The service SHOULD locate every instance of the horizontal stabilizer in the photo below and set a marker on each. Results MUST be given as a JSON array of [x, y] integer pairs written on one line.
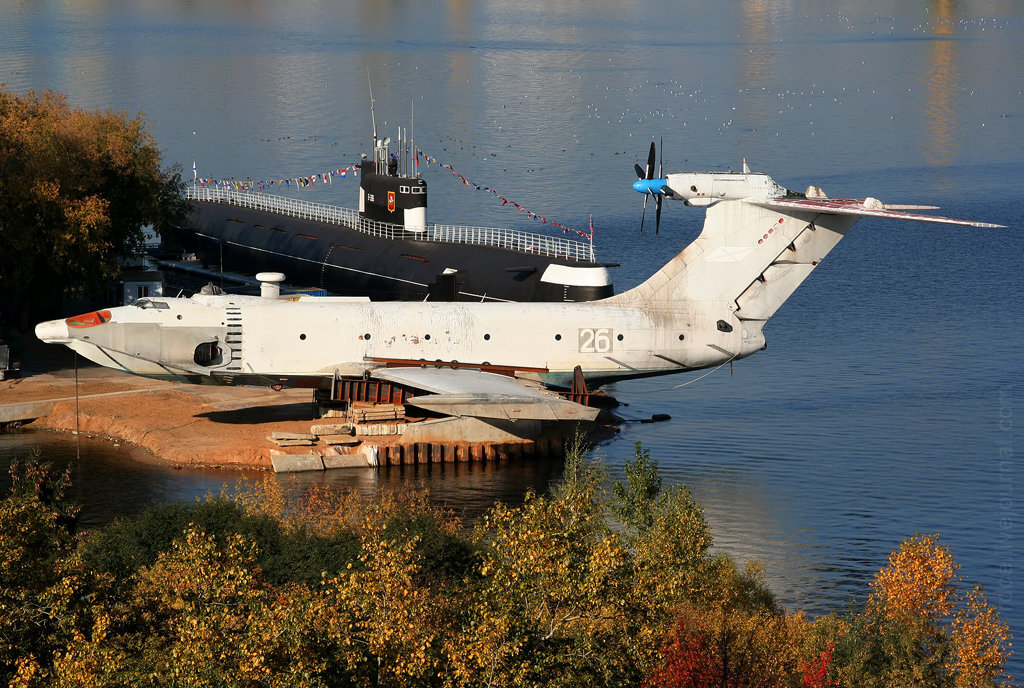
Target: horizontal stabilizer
[[867, 207]]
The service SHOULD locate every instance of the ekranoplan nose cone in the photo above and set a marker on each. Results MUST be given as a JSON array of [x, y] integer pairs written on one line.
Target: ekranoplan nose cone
[[53, 331]]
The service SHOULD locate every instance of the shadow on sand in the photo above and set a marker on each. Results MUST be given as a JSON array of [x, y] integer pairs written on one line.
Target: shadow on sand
[[262, 414]]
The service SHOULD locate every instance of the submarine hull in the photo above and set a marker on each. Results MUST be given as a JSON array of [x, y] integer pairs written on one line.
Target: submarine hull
[[345, 261]]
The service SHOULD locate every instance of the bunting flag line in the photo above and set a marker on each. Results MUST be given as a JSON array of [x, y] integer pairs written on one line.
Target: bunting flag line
[[299, 183], [265, 184], [504, 201]]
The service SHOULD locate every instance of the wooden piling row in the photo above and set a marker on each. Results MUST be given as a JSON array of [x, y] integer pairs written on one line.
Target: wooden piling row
[[425, 453]]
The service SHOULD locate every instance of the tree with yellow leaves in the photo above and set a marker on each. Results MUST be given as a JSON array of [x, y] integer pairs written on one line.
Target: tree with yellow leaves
[[201, 615], [918, 628], [383, 616], [550, 603], [44, 588], [76, 190]]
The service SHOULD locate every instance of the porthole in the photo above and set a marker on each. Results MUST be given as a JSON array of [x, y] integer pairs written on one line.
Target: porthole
[[619, 337], [302, 337], [487, 337], [558, 337], [682, 337], [426, 336], [179, 316], [366, 336]]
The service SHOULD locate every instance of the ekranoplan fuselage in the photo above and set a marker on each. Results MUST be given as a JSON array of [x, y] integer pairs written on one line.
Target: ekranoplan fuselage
[[252, 340], [705, 307]]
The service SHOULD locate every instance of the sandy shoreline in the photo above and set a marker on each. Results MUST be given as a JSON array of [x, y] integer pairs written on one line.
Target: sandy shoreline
[[180, 424], [230, 427]]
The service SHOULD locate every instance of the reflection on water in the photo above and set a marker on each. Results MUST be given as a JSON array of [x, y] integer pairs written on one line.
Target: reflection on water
[[754, 52], [112, 481], [470, 489], [942, 82]]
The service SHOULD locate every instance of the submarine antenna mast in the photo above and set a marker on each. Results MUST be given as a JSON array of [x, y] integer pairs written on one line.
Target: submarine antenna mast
[[415, 154], [373, 118], [379, 165]]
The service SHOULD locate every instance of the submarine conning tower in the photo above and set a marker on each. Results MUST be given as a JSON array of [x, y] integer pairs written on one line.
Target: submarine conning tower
[[388, 194]]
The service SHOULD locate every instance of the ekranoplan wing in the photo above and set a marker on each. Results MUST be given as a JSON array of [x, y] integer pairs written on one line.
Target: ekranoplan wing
[[460, 392]]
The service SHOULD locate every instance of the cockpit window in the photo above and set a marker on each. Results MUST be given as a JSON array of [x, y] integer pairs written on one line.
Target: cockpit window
[[88, 319], [150, 303]]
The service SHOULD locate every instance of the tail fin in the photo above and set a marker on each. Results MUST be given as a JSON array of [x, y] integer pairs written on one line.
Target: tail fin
[[754, 252], [748, 256]]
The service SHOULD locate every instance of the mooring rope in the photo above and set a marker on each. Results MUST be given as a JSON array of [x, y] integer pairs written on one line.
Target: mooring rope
[[696, 379]]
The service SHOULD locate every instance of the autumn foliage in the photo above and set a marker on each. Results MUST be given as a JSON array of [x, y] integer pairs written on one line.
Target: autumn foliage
[[76, 190], [920, 627], [584, 586]]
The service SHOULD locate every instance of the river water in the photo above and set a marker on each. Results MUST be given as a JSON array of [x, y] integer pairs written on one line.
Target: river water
[[889, 399]]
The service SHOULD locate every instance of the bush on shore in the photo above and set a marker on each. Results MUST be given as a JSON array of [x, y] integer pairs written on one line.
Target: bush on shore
[[582, 587]]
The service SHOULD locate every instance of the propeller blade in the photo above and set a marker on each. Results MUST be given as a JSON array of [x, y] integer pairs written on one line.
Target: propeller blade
[[650, 162], [644, 213], [639, 171], [661, 175]]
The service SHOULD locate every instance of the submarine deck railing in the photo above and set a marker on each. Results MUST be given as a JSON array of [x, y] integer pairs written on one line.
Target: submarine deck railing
[[526, 242]]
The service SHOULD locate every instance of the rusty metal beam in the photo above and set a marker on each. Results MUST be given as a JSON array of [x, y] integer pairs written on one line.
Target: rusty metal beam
[[485, 367]]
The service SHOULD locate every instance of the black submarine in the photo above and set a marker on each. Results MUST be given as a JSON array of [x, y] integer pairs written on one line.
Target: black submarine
[[386, 249]]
